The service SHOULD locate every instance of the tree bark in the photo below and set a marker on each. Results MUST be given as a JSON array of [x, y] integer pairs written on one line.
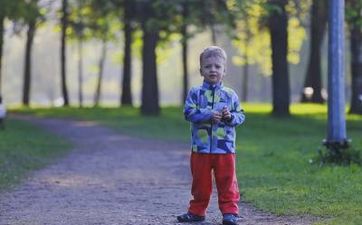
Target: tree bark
[[2, 20], [278, 23], [63, 62], [185, 80], [213, 34], [80, 71], [314, 74], [184, 43], [126, 98], [356, 68], [100, 73], [150, 99], [27, 62], [244, 96]]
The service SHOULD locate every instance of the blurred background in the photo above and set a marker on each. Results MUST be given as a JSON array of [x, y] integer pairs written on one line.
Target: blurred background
[[124, 52]]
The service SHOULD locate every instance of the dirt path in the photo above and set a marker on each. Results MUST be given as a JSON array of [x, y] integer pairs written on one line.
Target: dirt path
[[112, 179]]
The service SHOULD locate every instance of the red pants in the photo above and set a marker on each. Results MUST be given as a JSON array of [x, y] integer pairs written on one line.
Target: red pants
[[223, 166]]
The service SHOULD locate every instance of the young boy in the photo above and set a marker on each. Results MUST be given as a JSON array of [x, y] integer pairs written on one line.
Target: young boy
[[214, 112]]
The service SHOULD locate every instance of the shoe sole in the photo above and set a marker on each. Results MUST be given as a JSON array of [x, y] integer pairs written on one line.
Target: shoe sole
[[189, 221], [228, 223]]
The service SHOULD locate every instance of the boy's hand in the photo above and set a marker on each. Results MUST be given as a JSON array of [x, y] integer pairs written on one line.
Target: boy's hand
[[226, 114], [216, 117]]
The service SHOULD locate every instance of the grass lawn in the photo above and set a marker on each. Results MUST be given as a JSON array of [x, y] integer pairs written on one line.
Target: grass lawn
[[274, 155], [24, 148]]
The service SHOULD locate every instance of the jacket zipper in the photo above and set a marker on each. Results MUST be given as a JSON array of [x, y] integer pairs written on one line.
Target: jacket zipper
[[212, 107]]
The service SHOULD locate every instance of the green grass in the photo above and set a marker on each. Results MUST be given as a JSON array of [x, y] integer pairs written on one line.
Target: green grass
[[274, 154], [24, 148]]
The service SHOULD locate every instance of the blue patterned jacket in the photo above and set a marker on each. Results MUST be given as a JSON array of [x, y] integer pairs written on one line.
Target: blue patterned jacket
[[199, 106]]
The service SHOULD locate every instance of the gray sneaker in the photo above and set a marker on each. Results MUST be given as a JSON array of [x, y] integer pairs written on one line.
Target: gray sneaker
[[230, 219], [189, 217]]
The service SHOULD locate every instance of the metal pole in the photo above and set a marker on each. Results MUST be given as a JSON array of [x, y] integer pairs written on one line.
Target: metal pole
[[337, 137]]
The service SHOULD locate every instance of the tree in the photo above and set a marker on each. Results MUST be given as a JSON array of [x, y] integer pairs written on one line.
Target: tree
[[184, 44], [8, 9], [27, 62], [160, 19], [63, 45], [313, 82], [200, 14], [278, 22], [99, 21], [129, 11], [2, 21], [252, 36], [150, 95], [101, 62], [77, 25], [354, 19], [33, 16]]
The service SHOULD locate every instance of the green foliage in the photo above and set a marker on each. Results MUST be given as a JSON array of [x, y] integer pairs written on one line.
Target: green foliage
[[10, 9], [353, 12], [274, 169], [252, 39], [23, 148], [29, 11], [90, 19]]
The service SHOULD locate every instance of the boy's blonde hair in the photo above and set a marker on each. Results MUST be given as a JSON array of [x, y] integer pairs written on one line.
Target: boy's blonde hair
[[212, 51]]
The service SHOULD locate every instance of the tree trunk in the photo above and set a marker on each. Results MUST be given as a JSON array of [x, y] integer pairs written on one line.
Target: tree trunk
[[278, 23], [80, 71], [100, 73], [2, 20], [184, 43], [213, 34], [244, 96], [185, 66], [64, 22], [150, 98], [27, 62], [313, 77], [150, 101], [356, 69], [126, 98]]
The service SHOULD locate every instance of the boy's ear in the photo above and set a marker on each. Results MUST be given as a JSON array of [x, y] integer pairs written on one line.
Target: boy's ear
[[200, 71]]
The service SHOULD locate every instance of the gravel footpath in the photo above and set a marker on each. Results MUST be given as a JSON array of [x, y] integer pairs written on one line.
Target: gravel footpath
[[113, 179]]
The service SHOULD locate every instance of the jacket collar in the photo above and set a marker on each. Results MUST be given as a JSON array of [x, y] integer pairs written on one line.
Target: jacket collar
[[208, 86]]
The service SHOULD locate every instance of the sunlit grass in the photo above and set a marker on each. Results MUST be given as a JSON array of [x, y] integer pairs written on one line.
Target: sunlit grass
[[274, 156], [23, 148]]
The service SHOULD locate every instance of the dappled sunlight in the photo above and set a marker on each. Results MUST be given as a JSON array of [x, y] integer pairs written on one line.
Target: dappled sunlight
[[308, 109], [295, 109], [354, 117], [256, 108]]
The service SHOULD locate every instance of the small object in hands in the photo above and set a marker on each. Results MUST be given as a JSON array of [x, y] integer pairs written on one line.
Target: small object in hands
[[216, 117], [226, 115]]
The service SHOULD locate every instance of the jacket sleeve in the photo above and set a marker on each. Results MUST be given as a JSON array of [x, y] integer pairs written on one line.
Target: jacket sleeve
[[192, 111], [237, 113]]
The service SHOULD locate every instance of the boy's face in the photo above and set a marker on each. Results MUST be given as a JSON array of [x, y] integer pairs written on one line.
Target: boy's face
[[212, 69]]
